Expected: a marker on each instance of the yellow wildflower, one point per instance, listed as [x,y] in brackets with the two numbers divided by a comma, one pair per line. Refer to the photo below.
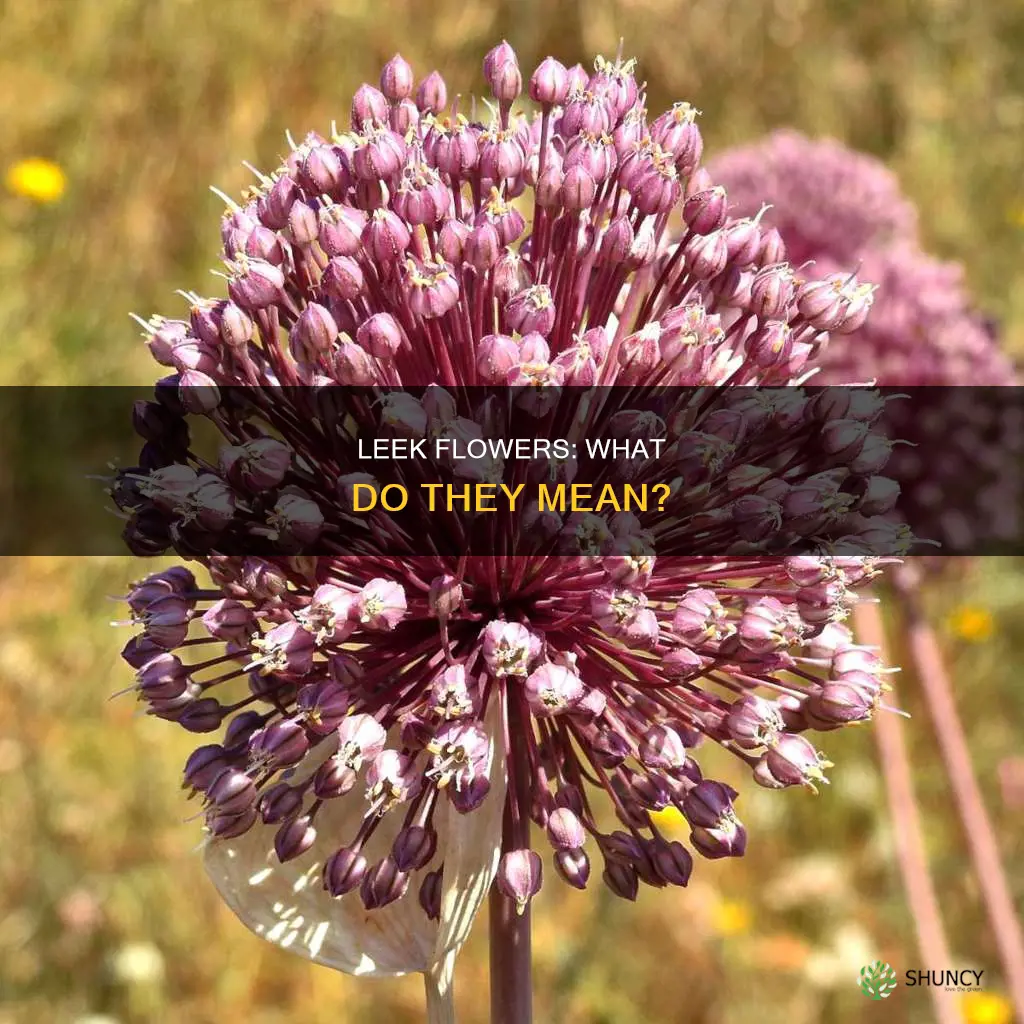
[42,181]
[731,917]
[986,1008]
[972,624]
[671,822]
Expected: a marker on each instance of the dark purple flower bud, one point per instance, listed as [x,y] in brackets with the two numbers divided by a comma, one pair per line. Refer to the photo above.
[162,678]
[203,715]
[323,706]
[471,795]
[258,465]
[655,189]
[279,802]
[241,729]
[396,78]
[230,826]
[622,879]
[232,792]
[728,841]
[501,72]
[384,883]
[672,862]
[432,95]
[414,847]
[166,621]
[204,766]
[520,876]
[708,804]
[662,748]
[549,84]
[565,830]
[294,838]
[279,745]
[344,871]
[756,518]
[573,866]
[430,894]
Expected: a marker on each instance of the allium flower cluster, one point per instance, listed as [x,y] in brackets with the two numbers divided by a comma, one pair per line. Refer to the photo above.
[840,209]
[380,710]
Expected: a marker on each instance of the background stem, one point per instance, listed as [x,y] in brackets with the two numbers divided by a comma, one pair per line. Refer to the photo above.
[981,838]
[907,830]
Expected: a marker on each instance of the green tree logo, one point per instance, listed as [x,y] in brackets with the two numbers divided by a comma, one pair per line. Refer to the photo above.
[877,980]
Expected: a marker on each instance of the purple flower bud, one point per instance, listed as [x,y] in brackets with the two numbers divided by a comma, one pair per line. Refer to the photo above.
[501,72]
[706,255]
[279,802]
[578,189]
[432,95]
[383,884]
[414,847]
[622,879]
[682,663]
[451,240]
[573,866]
[313,333]
[430,894]
[386,237]
[497,354]
[662,749]
[549,84]
[162,678]
[793,761]
[369,105]
[230,826]
[279,745]
[445,596]
[258,465]
[705,212]
[380,335]
[204,766]
[396,78]
[273,208]
[471,795]
[708,804]
[254,283]
[341,229]
[565,830]
[232,792]
[323,171]
[344,871]
[520,876]
[294,838]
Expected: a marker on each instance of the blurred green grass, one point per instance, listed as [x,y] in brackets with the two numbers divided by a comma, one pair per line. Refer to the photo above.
[103,908]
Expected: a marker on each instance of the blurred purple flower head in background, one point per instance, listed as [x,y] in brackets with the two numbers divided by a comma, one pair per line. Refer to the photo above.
[380,710]
[838,209]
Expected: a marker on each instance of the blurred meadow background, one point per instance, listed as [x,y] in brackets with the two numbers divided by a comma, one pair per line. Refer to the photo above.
[118,115]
